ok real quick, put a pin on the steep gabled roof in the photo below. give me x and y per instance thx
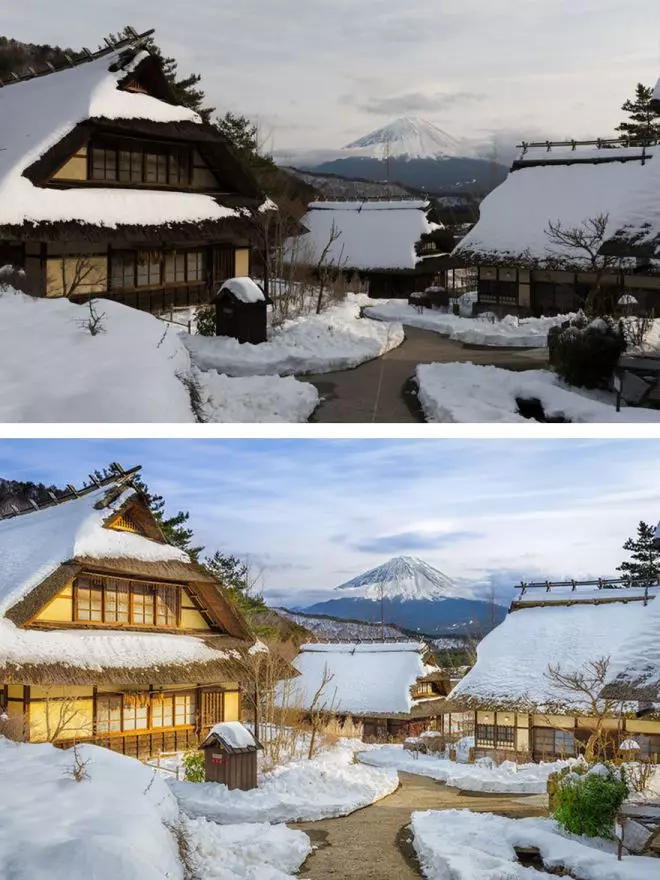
(43, 119)
(372, 235)
(568, 185)
(372, 678)
(42, 549)
(635, 670)
(565, 629)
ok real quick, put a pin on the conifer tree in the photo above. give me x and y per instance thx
(643, 126)
(644, 562)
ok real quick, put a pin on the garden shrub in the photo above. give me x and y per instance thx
(193, 765)
(205, 319)
(588, 804)
(584, 353)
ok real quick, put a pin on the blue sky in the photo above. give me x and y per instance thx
(318, 74)
(314, 513)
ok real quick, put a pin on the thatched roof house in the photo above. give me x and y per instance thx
(383, 241)
(395, 688)
(108, 186)
(101, 619)
(569, 183)
(520, 706)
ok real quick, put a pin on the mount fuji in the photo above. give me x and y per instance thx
(416, 153)
(413, 595)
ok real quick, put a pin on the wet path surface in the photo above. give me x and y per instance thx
(376, 391)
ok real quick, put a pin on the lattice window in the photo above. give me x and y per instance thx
(142, 605)
(108, 714)
(505, 736)
(126, 523)
(88, 599)
(136, 712)
(485, 735)
(167, 605)
(117, 601)
(184, 709)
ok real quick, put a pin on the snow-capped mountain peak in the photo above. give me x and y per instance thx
(409, 137)
(404, 577)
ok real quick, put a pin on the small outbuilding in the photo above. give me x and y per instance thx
(230, 756)
(241, 311)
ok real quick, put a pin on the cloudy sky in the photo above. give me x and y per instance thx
(314, 513)
(317, 74)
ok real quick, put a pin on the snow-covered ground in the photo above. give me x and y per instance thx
(135, 369)
(244, 852)
(337, 339)
(482, 776)
(474, 393)
(329, 785)
(509, 332)
(121, 822)
(462, 845)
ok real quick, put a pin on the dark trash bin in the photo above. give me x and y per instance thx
(241, 311)
(230, 756)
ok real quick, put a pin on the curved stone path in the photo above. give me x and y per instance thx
(374, 392)
(374, 843)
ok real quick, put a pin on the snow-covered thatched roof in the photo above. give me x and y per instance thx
(568, 186)
(370, 235)
(367, 679)
(39, 115)
(562, 628)
(43, 550)
(634, 673)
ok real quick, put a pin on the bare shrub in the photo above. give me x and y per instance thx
(636, 329)
(639, 775)
(320, 708)
(78, 770)
(94, 322)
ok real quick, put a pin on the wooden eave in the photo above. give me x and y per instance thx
(519, 606)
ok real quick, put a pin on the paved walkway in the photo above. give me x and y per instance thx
(374, 843)
(374, 392)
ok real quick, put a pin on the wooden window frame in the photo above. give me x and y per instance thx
(178, 162)
(191, 706)
(175, 264)
(150, 588)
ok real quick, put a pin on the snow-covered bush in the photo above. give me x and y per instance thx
(205, 320)
(588, 803)
(193, 765)
(584, 353)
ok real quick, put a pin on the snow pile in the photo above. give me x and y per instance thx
(102, 650)
(366, 678)
(473, 393)
(403, 577)
(35, 544)
(328, 785)
(115, 824)
(513, 659)
(510, 332)
(482, 776)
(409, 137)
(233, 733)
(136, 369)
(244, 289)
(367, 235)
(244, 852)
(462, 845)
(44, 110)
(337, 339)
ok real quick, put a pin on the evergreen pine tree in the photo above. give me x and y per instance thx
(643, 126)
(234, 574)
(644, 564)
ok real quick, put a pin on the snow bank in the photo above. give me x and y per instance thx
(509, 332)
(472, 393)
(337, 339)
(462, 845)
(328, 785)
(135, 370)
(112, 825)
(369, 235)
(366, 679)
(482, 776)
(256, 398)
(244, 852)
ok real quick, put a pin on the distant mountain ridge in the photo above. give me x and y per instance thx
(411, 594)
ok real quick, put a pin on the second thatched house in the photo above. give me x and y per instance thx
(596, 637)
(109, 634)
(393, 688)
(109, 187)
